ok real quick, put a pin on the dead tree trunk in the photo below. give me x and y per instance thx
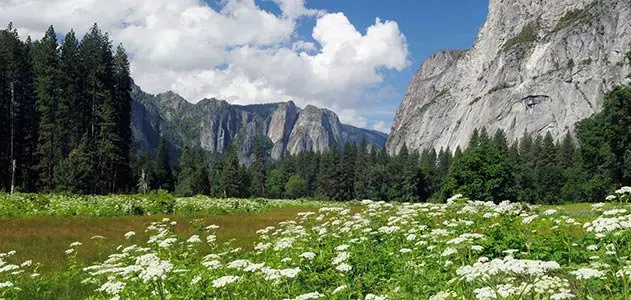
(13, 160)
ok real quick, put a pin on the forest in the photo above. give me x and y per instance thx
(65, 114)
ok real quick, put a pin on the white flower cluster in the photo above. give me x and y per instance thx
(508, 265)
(587, 274)
(603, 226)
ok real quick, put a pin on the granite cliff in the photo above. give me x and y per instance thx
(536, 66)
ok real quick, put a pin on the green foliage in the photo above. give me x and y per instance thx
(296, 187)
(483, 171)
(574, 16)
(161, 202)
(163, 173)
(467, 248)
(193, 174)
(528, 34)
(232, 177)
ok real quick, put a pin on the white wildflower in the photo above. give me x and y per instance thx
(225, 280)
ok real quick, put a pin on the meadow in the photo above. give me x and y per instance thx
(203, 248)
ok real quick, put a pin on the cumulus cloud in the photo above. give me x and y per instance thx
(237, 51)
(381, 126)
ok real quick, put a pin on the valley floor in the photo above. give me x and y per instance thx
(285, 249)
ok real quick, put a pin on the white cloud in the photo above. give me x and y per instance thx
(238, 52)
(381, 126)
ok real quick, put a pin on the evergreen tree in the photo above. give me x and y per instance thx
(362, 171)
(162, 172)
(17, 112)
(258, 170)
(232, 177)
(69, 114)
(346, 174)
(566, 152)
(122, 105)
(46, 69)
(74, 172)
(193, 175)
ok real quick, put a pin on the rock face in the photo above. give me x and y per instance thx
(215, 125)
(536, 66)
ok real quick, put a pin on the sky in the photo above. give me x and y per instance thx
(354, 57)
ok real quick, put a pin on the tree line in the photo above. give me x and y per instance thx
(65, 113)
(536, 168)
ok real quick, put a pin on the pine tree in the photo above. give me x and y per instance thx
(362, 171)
(549, 175)
(122, 105)
(346, 174)
(163, 173)
(193, 175)
(566, 152)
(258, 170)
(17, 112)
(232, 176)
(69, 116)
(46, 69)
(74, 173)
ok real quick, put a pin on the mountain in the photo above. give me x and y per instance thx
(215, 125)
(536, 66)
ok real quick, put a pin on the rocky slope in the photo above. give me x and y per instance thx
(215, 125)
(536, 66)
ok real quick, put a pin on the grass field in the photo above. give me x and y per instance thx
(257, 249)
(44, 239)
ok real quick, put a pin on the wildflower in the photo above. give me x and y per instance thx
(405, 250)
(314, 295)
(129, 234)
(26, 264)
(587, 273)
(344, 267)
(477, 248)
(225, 280)
(339, 289)
(211, 239)
(212, 265)
(194, 239)
(239, 264)
(289, 273)
(167, 242)
(340, 258)
(196, 280)
(153, 268)
(75, 244)
(308, 255)
(445, 295)
(112, 287)
(375, 297)
(70, 251)
(449, 252)
(342, 247)
(254, 267)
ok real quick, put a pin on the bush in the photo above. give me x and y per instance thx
(161, 202)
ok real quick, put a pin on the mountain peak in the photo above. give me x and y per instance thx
(215, 125)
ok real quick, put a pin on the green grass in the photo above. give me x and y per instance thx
(45, 239)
